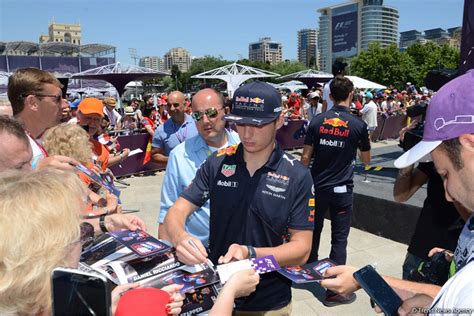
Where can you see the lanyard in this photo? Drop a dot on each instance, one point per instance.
(43, 151)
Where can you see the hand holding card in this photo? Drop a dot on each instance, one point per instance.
(310, 272)
(260, 265)
(139, 242)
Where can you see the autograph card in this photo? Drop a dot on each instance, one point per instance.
(261, 265)
(139, 242)
(98, 179)
(310, 272)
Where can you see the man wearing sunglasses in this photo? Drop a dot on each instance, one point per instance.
(261, 201)
(174, 131)
(184, 160)
(37, 103)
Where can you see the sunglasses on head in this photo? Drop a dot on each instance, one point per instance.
(210, 113)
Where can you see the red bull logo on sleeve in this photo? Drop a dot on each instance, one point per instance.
(335, 123)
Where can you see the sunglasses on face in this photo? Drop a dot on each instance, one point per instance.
(57, 98)
(210, 113)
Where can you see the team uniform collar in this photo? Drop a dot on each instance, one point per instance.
(272, 162)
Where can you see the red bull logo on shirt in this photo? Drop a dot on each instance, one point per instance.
(335, 130)
(336, 122)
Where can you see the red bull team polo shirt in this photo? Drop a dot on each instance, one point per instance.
(254, 210)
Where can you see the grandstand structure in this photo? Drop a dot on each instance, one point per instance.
(60, 58)
(56, 57)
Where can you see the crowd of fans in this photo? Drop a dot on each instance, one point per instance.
(47, 204)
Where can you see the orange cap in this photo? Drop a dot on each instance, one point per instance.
(91, 106)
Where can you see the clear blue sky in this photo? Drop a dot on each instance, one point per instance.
(204, 27)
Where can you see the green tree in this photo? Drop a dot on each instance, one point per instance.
(431, 56)
(176, 75)
(287, 67)
(387, 66)
(198, 66)
(168, 83)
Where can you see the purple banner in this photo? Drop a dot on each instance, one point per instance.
(344, 32)
(467, 40)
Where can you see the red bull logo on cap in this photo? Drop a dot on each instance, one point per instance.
(257, 100)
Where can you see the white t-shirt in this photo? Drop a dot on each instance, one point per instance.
(326, 93)
(113, 116)
(37, 152)
(369, 114)
(314, 110)
(457, 293)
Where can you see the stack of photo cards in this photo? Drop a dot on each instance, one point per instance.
(140, 242)
(260, 265)
(201, 300)
(310, 272)
(191, 281)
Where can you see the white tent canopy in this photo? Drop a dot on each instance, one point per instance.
(4, 78)
(91, 91)
(235, 74)
(133, 84)
(292, 85)
(308, 73)
(361, 83)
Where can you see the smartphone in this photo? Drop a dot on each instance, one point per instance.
(75, 292)
(378, 290)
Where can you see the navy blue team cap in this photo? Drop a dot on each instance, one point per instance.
(256, 103)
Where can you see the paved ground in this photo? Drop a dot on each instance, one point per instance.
(144, 194)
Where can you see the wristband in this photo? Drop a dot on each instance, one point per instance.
(252, 252)
(102, 223)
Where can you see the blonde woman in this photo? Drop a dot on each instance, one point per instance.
(69, 140)
(72, 141)
(40, 227)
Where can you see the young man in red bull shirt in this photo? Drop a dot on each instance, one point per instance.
(332, 140)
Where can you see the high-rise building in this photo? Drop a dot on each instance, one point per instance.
(153, 62)
(307, 47)
(177, 56)
(266, 50)
(411, 37)
(62, 32)
(347, 29)
(450, 37)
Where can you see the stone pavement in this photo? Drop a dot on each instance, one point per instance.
(144, 194)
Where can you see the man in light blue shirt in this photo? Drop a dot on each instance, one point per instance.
(176, 130)
(186, 158)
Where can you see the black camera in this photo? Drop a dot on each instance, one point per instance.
(435, 271)
(414, 136)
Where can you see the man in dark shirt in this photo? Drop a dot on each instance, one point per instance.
(439, 224)
(332, 140)
(261, 200)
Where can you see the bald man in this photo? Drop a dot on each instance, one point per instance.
(208, 112)
(175, 131)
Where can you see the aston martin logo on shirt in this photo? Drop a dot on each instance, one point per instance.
(275, 188)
